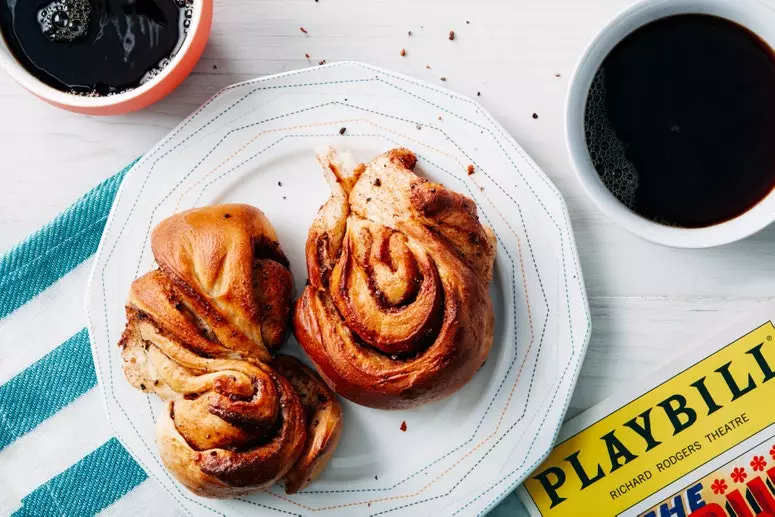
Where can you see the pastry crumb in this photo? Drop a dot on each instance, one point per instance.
(302, 29)
(403, 52)
(403, 426)
(322, 62)
(444, 79)
(470, 169)
(342, 130)
(307, 55)
(427, 67)
(556, 74)
(451, 35)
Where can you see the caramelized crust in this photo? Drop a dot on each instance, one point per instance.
(231, 426)
(324, 422)
(397, 312)
(199, 334)
(218, 258)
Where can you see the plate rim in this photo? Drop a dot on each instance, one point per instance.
(572, 250)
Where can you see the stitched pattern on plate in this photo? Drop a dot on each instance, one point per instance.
(561, 232)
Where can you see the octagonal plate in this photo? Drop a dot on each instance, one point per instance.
(255, 143)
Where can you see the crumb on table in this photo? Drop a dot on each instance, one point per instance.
(403, 52)
(403, 426)
(470, 169)
(302, 29)
(451, 35)
(535, 115)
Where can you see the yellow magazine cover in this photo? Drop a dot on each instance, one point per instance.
(695, 439)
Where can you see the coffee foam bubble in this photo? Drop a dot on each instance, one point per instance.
(605, 149)
(65, 20)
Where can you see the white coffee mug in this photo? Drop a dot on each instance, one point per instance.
(759, 17)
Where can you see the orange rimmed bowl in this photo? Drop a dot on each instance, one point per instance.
(154, 90)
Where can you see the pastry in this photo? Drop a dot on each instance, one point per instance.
(201, 332)
(397, 311)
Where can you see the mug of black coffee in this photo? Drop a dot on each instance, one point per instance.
(670, 120)
(102, 57)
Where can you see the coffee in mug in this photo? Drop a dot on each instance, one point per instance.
(680, 117)
(94, 47)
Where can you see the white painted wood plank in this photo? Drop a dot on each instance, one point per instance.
(509, 52)
(648, 303)
(632, 337)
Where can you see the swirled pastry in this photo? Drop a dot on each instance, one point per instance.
(200, 333)
(397, 311)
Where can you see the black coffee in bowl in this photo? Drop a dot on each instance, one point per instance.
(680, 120)
(94, 47)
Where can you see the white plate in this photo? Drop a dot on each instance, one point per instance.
(255, 143)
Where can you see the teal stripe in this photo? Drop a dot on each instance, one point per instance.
(92, 484)
(54, 250)
(63, 375)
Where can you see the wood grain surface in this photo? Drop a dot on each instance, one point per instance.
(649, 303)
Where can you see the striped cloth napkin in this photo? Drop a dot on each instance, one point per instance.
(58, 456)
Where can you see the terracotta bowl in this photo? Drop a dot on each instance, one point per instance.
(157, 88)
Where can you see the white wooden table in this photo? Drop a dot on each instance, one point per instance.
(649, 303)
